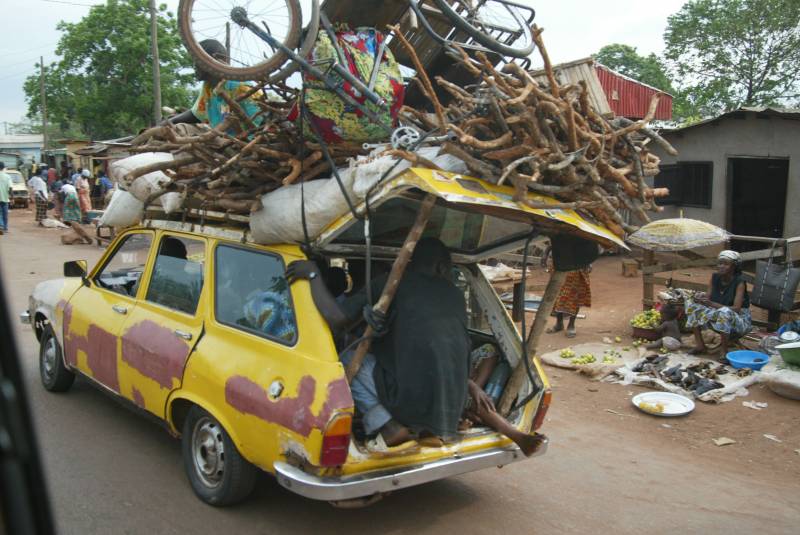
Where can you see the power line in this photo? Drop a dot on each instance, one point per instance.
(29, 49)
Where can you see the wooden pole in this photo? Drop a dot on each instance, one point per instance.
(395, 276)
(648, 290)
(156, 63)
(228, 40)
(44, 106)
(539, 323)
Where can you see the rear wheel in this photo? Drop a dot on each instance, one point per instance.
(500, 25)
(251, 58)
(53, 372)
(217, 472)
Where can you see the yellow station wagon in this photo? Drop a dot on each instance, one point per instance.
(171, 319)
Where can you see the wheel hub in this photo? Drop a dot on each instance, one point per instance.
(49, 360)
(239, 16)
(208, 452)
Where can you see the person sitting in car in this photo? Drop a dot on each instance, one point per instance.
(416, 380)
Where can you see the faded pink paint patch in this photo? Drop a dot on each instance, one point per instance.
(100, 347)
(295, 413)
(137, 396)
(155, 352)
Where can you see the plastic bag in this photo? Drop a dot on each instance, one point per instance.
(120, 168)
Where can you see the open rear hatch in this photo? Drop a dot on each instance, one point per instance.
(476, 220)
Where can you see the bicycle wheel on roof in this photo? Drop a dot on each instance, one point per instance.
(500, 25)
(250, 58)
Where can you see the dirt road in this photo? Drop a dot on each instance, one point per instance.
(113, 471)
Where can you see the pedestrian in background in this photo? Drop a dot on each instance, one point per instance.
(52, 175)
(82, 186)
(58, 197)
(576, 292)
(72, 207)
(41, 197)
(5, 190)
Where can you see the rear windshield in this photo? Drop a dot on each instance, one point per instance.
(462, 231)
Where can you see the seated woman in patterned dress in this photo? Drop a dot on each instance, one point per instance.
(727, 309)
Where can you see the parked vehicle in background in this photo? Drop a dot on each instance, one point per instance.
(20, 196)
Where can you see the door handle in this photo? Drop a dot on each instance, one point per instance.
(119, 309)
(183, 334)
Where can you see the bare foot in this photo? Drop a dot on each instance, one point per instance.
(554, 329)
(394, 433)
(571, 332)
(697, 350)
(529, 444)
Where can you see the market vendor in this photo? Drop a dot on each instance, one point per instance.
(212, 108)
(726, 310)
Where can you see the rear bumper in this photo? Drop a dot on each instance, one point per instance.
(370, 483)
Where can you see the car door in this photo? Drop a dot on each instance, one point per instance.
(162, 331)
(96, 312)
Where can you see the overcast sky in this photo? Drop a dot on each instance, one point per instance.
(573, 29)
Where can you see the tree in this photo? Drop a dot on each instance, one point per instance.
(103, 81)
(626, 60)
(733, 53)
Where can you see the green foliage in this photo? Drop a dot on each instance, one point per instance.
(731, 53)
(626, 60)
(103, 82)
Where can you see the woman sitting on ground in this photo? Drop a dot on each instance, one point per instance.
(727, 310)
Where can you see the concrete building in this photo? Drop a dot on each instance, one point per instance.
(739, 171)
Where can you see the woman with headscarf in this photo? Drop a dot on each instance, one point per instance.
(72, 207)
(726, 310)
(83, 187)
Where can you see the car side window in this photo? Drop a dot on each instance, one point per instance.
(123, 271)
(177, 278)
(252, 293)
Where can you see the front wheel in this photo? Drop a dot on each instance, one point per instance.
(54, 374)
(217, 471)
(249, 57)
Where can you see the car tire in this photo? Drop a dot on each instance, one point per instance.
(55, 375)
(218, 473)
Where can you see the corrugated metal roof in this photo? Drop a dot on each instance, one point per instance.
(18, 140)
(789, 113)
(631, 98)
(575, 71)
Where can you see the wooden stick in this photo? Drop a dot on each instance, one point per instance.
(539, 323)
(395, 276)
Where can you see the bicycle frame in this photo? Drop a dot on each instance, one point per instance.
(239, 16)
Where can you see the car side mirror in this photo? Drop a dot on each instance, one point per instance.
(75, 268)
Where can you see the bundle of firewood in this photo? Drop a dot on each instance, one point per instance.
(506, 129)
(215, 169)
(547, 140)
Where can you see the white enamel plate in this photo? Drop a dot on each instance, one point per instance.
(663, 403)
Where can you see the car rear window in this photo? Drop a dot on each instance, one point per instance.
(252, 293)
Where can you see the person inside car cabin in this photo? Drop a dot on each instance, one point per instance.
(415, 381)
(211, 108)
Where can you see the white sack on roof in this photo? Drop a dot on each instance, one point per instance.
(145, 185)
(124, 210)
(280, 218)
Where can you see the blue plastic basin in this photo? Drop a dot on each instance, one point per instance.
(747, 359)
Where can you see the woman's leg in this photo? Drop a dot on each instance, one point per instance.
(527, 443)
(559, 326)
(571, 325)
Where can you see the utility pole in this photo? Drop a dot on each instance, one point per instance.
(44, 104)
(156, 66)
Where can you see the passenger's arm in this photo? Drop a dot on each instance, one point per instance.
(325, 302)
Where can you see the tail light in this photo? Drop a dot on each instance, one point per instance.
(336, 440)
(543, 406)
